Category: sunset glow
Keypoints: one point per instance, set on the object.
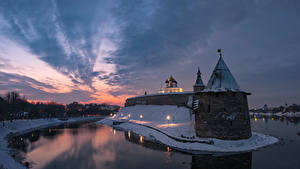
(55, 51)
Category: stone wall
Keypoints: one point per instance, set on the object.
(222, 115)
(160, 99)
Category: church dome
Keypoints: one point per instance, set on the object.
(171, 79)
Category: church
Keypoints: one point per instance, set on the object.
(171, 86)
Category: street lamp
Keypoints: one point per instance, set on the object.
(168, 118)
(141, 116)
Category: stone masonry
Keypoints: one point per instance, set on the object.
(222, 115)
(179, 99)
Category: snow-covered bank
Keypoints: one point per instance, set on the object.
(23, 126)
(279, 114)
(173, 126)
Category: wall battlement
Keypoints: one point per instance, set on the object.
(160, 99)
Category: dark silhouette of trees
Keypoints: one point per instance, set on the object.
(3, 110)
(14, 106)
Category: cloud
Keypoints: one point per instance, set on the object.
(114, 48)
(63, 35)
(32, 89)
(157, 34)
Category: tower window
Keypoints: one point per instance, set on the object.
(208, 108)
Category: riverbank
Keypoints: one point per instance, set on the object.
(279, 114)
(174, 127)
(23, 126)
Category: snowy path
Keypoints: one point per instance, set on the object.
(173, 126)
(196, 147)
(23, 126)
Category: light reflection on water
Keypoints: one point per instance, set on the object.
(97, 146)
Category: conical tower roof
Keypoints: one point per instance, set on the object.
(221, 78)
(199, 81)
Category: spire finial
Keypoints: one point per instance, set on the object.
(220, 52)
(199, 72)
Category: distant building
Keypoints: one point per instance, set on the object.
(265, 108)
(171, 86)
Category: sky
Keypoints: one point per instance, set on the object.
(104, 51)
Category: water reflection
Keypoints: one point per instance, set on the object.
(225, 162)
(91, 146)
(283, 119)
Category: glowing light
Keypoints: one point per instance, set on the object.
(141, 139)
(168, 117)
(129, 115)
(111, 114)
(263, 119)
(141, 116)
(170, 125)
(129, 134)
(114, 132)
(168, 149)
(255, 118)
(272, 118)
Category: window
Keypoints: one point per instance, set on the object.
(208, 108)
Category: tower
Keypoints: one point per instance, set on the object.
(199, 86)
(222, 108)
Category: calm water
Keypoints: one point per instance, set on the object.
(91, 146)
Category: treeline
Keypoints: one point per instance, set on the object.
(14, 106)
(285, 108)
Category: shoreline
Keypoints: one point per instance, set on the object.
(279, 114)
(20, 127)
(195, 146)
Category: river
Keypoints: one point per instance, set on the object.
(91, 146)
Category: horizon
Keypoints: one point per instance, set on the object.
(107, 51)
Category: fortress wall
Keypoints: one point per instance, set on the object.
(160, 99)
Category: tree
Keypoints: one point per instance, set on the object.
(3, 110)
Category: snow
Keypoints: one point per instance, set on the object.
(279, 114)
(221, 79)
(178, 133)
(23, 126)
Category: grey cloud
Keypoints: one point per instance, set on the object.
(22, 84)
(61, 34)
(156, 38)
(162, 33)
